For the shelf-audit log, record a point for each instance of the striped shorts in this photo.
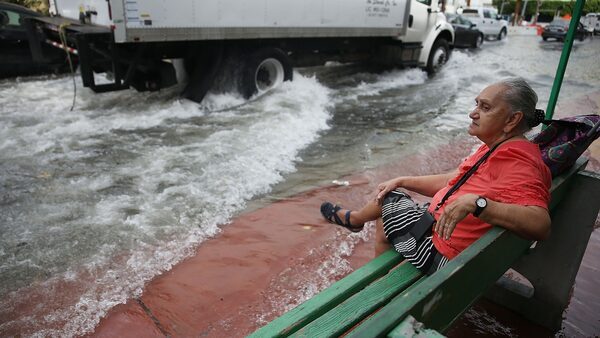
(409, 230)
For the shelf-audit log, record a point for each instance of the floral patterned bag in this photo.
(564, 140)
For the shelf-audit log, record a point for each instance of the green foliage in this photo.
(592, 6)
(37, 5)
(547, 7)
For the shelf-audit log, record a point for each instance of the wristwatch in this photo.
(480, 204)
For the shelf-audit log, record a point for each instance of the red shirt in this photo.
(514, 173)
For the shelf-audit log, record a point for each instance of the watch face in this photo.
(481, 202)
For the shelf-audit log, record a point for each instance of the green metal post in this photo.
(564, 58)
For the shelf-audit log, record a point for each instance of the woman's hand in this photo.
(454, 213)
(384, 188)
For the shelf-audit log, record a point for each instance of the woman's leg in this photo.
(369, 212)
(381, 242)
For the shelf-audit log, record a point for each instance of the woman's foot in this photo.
(333, 213)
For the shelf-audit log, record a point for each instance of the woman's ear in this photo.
(513, 121)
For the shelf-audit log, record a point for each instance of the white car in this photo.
(592, 21)
(488, 21)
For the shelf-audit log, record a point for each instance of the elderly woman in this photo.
(504, 183)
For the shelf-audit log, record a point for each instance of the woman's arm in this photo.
(529, 222)
(424, 185)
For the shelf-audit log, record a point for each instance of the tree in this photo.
(592, 6)
(37, 5)
(547, 9)
(517, 17)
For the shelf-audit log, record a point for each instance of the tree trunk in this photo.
(517, 14)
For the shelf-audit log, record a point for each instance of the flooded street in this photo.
(101, 199)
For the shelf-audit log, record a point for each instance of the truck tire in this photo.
(264, 70)
(437, 56)
(502, 34)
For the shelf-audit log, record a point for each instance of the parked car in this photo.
(466, 33)
(488, 21)
(592, 21)
(15, 54)
(558, 28)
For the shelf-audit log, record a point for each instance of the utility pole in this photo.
(523, 10)
(502, 6)
(537, 11)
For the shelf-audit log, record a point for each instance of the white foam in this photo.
(147, 178)
(394, 79)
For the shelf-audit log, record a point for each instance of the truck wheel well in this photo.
(446, 35)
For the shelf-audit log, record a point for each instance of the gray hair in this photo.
(521, 97)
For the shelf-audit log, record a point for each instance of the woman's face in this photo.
(490, 115)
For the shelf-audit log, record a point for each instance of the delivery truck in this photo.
(250, 46)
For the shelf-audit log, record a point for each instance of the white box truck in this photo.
(251, 45)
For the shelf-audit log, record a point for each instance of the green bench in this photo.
(386, 298)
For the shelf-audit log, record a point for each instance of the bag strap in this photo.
(466, 175)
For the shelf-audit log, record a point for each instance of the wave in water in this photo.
(100, 200)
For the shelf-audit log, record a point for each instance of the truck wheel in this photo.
(437, 56)
(479, 41)
(264, 70)
(502, 34)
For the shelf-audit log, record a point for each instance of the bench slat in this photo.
(329, 298)
(559, 188)
(362, 304)
(442, 297)
(411, 328)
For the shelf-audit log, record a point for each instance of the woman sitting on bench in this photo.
(505, 183)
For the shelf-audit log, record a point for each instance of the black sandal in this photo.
(329, 211)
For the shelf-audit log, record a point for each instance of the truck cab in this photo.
(428, 25)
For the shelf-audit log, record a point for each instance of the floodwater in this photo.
(101, 199)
